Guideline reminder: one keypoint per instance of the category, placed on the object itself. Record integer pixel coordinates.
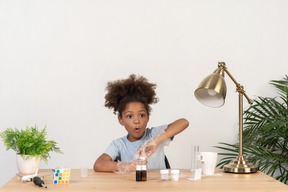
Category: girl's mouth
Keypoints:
(137, 129)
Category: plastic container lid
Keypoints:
(175, 171)
(144, 167)
(164, 171)
(138, 167)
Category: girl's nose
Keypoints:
(136, 120)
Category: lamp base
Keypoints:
(240, 165)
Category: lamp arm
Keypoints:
(239, 88)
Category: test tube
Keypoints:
(194, 152)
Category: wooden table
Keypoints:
(126, 182)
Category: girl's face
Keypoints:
(134, 119)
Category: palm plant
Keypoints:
(265, 134)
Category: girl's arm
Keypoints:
(104, 163)
(173, 129)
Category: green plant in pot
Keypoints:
(31, 146)
(265, 134)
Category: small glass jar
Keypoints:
(164, 174)
(144, 173)
(138, 173)
(175, 175)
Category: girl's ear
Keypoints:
(120, 120)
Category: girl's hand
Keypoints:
(127, 167)
(147, 149)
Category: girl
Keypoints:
(131, 99)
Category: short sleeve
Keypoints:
(113, 151)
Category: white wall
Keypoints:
(57, 55)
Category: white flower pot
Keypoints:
(26, 164)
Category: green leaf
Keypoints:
(30, 141)
(265, 134)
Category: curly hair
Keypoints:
(132, 89)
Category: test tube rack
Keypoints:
(61, 176)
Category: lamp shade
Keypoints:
(212, 90)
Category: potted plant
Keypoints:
(265, 134)
(31, 146)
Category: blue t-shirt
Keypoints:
(124, 150)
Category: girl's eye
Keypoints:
(142, 115)
(129, 116)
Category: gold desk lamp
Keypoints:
(212, 92)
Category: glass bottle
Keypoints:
(138, 173)
(144, 173)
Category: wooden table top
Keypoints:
(99, 181)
